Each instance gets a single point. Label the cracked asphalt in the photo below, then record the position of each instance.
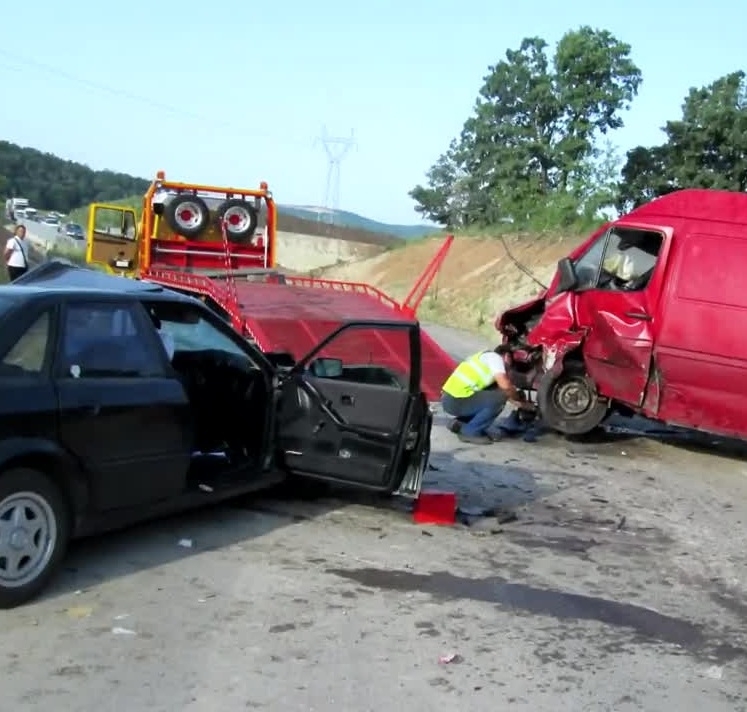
(608, 575)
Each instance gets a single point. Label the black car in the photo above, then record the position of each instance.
(122, 400)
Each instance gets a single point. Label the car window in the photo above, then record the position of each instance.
(190, 331)
(28, 354)
(108, 340)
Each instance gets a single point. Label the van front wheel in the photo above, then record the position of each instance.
(569, 402)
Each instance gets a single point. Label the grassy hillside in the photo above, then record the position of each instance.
(348, 219)
(477, 281)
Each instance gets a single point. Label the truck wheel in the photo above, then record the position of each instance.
(187, 215)
(241, 219)
(569, 402)
(34, 532)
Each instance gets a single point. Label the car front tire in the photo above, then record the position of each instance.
(34, 533)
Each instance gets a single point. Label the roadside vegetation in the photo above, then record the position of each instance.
(535, 170)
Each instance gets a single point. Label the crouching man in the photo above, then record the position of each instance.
(476, 393)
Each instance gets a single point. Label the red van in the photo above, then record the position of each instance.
(648, 316)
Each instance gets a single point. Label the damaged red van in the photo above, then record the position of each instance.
(648, 316)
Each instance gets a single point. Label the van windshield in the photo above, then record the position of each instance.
(622, 258)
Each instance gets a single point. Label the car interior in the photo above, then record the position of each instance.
(227, 390)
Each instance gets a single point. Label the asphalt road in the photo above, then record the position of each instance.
(596, 576)
(48, 234)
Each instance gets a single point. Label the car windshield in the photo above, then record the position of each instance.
(198, 336)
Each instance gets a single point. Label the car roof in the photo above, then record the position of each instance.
(63, 277)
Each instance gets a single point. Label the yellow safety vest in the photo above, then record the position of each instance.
(469, 377)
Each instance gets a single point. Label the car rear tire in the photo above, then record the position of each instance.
(569, 402)
(34, 533)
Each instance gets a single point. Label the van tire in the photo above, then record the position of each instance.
(32, 493)
(569, 402)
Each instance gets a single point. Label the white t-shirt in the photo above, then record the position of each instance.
(20, 252)
(494, 362)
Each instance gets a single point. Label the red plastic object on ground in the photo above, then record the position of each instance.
(435, 507)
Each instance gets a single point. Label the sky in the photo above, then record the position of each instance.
(243, 92)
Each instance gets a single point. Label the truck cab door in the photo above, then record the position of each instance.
(112, 239)
(344, 420)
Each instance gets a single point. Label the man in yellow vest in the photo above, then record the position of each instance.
(476, 393)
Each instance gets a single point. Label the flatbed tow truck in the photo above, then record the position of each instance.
(220, 244)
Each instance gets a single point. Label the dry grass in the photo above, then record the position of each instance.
(478, 280)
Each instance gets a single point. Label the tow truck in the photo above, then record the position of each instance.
(220, 244)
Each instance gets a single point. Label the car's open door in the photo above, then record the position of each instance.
(337, 422)
(112, 239)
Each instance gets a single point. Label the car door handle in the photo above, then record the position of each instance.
(347, 400)
(90, 408)
(638, 315)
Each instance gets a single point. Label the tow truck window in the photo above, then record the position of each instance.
(627, 258)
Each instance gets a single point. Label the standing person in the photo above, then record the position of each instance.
(471, 396)
(17, 254)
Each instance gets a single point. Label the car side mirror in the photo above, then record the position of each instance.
(568, 279)
(326, 368)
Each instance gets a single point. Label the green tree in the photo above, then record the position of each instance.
(531, 139)
(52, 183)
(706, 148)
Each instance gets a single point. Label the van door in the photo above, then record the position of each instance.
(112, 239)
(617, 313)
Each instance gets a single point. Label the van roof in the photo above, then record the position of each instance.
(696, 204)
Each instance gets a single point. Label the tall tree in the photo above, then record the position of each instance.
(533, 130)
(706, 148)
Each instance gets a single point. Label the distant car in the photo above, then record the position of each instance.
(51, 221)
(75, 231)
(121, 400)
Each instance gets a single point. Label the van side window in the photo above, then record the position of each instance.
(630, 259)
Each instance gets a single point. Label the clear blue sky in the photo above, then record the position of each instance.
(240, 90)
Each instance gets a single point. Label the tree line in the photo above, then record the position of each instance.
(536, 150)
(52, 183)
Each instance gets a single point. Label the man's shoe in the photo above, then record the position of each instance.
(455, 426)
(475, 439)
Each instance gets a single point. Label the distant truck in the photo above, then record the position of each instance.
(13, 205)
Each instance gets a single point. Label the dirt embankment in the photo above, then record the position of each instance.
(477, 281)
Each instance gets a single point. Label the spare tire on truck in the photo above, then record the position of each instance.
(187, 215)
(240, 217)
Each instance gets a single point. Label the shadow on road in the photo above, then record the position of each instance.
(239, 523)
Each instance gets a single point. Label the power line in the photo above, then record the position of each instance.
(336, 148)
(21, 64)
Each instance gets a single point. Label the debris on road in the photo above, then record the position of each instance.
(450, 658)
(123, 631)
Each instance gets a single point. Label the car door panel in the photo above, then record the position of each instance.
(123, 412)
(131, 435)
(351, 432)
(364, 405)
